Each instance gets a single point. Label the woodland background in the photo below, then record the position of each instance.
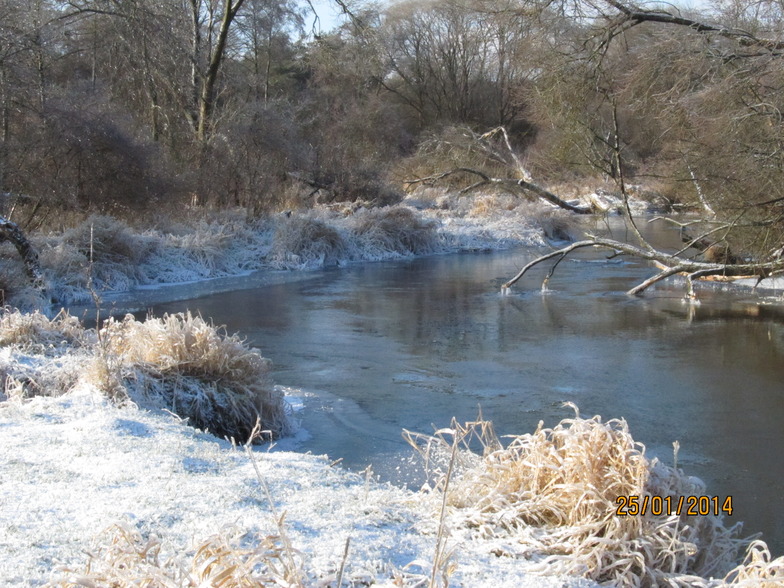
(124, 107)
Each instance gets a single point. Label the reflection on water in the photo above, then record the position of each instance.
(382, 347)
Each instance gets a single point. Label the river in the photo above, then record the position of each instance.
(375, 348)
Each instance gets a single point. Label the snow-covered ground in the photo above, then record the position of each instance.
(73, 466)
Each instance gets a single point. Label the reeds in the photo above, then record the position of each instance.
(198, 372)
(555, 491)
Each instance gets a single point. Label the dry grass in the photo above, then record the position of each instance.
(556, 491)
(397, 230)
(487, 205)
(39, 331)
(198, 372)
(110, 240)
(115, 250)
(123, 558)
(758, 570)
(303, 241)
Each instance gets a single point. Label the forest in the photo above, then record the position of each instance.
(132, 107)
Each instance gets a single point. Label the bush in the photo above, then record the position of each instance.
(198, 372)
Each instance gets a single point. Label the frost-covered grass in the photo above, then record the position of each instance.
(179, 362)
(552, 495)
(182, 363)
(394, 231)
(37, 330)
(117, 257)
(305, 241)
(123, 557)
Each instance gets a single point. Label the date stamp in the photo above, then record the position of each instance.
(691, 506)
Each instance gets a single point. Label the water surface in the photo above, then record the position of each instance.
(376, 348)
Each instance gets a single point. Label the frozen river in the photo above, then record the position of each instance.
(376, 348)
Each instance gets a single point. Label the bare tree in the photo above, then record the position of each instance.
(684, 100)
(452, 61)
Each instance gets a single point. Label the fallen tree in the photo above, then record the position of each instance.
(707, 255)
(10, 231)
(669, 264)
(518, 180)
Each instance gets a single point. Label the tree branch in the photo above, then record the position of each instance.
(670, 264)
(635, 16)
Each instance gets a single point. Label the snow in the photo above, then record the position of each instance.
(73, 466)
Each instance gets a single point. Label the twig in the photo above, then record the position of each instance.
(343, 562)
(293, 568)
(439, 554)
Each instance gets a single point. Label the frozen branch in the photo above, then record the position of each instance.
(670, 265)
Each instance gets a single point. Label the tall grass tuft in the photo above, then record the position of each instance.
(555, 490)
(394, 230)
(37, 330)
(303, 241)
(197, 371)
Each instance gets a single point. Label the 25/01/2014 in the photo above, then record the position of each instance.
(673, 505)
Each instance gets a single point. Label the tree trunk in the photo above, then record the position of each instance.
(10, 231)
(207, 95)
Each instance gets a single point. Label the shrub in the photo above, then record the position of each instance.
(200, 373)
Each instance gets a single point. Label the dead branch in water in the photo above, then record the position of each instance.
(669, 265)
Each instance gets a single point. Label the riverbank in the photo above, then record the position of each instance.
(95, 493)
(109, 257)
(102, 482)
(83, 476)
